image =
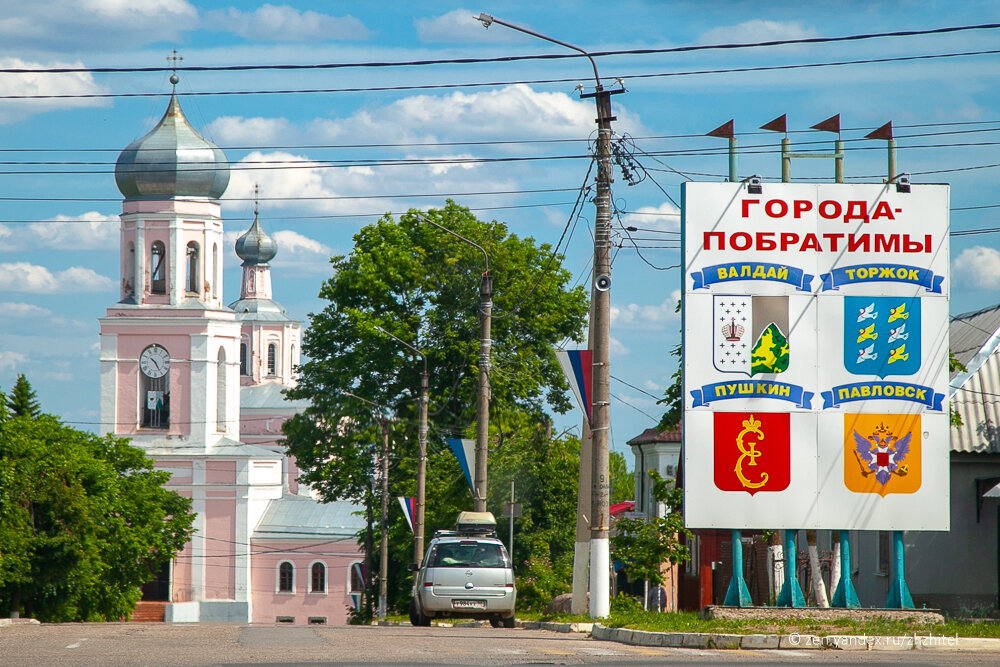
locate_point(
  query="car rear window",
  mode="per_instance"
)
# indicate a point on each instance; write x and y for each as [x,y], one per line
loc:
[469,554]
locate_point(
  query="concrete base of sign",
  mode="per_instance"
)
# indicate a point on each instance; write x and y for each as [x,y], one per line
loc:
[819,614]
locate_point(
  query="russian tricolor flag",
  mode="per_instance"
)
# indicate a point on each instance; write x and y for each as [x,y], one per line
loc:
[578,366]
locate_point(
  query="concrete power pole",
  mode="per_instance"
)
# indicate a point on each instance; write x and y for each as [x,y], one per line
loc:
[600,565]
[483,407]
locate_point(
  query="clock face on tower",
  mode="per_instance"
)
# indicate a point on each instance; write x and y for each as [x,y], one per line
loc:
[154,361]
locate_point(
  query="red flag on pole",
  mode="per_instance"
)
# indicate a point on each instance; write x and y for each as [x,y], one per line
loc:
[779,124]
[831,124]
[884,132]
[724,131]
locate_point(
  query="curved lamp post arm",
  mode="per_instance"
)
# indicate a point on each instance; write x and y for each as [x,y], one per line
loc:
[486,258]
[487,20]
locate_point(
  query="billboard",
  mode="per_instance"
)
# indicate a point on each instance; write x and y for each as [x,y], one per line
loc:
[816,356]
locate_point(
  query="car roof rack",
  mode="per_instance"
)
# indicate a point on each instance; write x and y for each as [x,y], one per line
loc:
[476,524]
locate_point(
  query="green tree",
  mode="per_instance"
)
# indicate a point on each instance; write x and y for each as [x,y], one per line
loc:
[84,522]
[22,400]
[422,285]
[647,543]
[622,479]
[3,408]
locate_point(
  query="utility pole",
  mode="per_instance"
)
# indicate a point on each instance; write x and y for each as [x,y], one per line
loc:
[483,402]
[418,518]
[383,420]
[600,561]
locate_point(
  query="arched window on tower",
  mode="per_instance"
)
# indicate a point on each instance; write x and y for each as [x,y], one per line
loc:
[220,398]
[244,359]
[272,359]
[215,270]
[157,268]
[128,280]
[191,284]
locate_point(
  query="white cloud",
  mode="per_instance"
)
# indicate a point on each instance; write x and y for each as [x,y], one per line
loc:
[18,315]
[25,277]
[271,23]
[617,348]
[69,83]
[757,30]
[69,26]
[665,217]
[87,231]
[978,267]
[515,111]
[236,130]
[638,316]
[461,26]
[10,360]
[23,310]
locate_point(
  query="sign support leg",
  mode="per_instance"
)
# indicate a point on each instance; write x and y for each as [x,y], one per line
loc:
[738,594]
[899,593]
[845,596]
[791,592]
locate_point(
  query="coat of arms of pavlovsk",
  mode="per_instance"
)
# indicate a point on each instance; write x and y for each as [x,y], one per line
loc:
[882,453]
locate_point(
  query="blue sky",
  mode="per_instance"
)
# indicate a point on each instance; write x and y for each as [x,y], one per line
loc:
[59,232]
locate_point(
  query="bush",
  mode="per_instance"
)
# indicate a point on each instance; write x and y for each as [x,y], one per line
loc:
[625,604]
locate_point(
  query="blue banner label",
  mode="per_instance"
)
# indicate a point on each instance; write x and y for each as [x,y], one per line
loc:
[781,391]
[722,273]
[867,273]
[864,391]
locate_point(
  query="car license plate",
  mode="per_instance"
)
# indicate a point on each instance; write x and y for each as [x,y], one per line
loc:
[468,604]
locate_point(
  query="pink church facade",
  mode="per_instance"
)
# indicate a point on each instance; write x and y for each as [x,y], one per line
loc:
[197,385]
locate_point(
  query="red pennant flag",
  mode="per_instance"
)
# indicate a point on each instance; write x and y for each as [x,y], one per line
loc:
[752,451]
[724,131]
[831,124]
[884,132]
[779,124]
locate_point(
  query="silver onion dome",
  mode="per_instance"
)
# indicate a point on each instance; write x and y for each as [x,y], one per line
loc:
[172,160]
[255,247]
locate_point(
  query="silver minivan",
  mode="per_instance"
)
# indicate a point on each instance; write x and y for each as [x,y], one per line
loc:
[465,573]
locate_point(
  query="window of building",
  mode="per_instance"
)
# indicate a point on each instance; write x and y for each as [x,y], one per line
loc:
[317,620]
[357,577]
[244,359]
[284,619]
[128,285]
[220,390]
[157,268]
[318,579]
[286,577]
[272,359]
[192,267]
[215,270]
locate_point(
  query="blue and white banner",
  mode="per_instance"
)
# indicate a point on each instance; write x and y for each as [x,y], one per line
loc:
[867,273]
[465,451]
[721,391]
[723,273]
[409,505]
[578,367]
[874,391]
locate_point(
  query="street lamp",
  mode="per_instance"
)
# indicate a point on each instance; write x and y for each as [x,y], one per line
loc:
[383,420]
[418,518]
[601,329]
[483,404]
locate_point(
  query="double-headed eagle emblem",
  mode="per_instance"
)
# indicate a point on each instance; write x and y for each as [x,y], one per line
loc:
[882,453]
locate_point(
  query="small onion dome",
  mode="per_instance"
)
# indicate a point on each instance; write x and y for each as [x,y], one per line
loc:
[173,160]
[256,247]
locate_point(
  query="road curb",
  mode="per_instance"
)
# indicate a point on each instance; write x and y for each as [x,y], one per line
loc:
[795,641]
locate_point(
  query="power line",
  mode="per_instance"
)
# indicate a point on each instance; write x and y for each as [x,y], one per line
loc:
[497,59]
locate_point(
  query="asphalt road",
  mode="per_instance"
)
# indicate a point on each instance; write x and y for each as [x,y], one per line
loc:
[205,645]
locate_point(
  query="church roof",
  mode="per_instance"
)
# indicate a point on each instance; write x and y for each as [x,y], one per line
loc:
[255,247]
[268,395]
[172,160]
[257,309]
[291,517]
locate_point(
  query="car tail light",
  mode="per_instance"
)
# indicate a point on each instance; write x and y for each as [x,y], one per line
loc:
[510,585]
[428,584]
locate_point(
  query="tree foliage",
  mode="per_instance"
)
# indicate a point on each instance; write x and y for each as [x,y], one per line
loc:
[622,479]
[647,543]
[421,284]
[22,401]
[84,522]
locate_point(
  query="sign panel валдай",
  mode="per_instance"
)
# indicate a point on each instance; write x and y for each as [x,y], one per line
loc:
[815,356]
